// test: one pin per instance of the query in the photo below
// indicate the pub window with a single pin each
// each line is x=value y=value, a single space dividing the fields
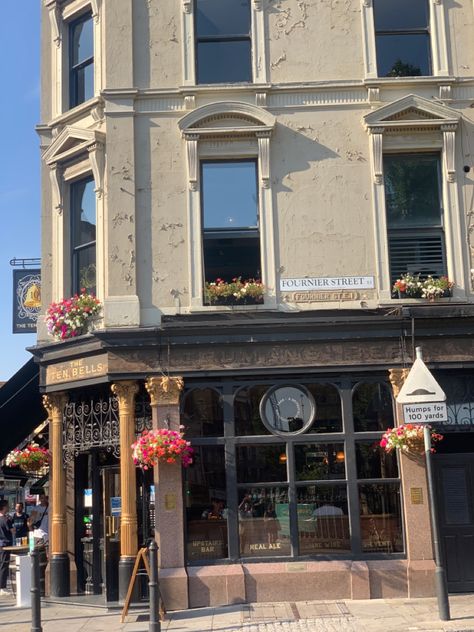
x=231 y=236
x=203 y=413
x=257 y=493
x=402 y=38
x=223 y=41
x=83 y=235
x=372 y=407
x=81 y=60
x=414 y=215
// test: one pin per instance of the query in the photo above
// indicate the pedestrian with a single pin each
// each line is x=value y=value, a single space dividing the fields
x=6 y=539
x=40 y=521
x=20 y=522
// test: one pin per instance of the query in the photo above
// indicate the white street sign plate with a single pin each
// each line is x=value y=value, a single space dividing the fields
x=425 y=413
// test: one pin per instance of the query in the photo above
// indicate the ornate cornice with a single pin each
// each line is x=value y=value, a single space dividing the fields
x=164 y=390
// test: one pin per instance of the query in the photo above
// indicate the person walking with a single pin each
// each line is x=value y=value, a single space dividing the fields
x=6 y=539
x=20 y=522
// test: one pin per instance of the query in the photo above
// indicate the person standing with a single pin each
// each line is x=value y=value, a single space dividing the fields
x=40 y=521
x=6 y=539
x=20 y=521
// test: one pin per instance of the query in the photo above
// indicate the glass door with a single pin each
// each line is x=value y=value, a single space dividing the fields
x=110 y=541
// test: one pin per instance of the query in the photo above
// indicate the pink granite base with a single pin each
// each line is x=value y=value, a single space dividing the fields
x=216 y=585
x=388 y=579
x=421 y=578
x=297 y=581
x=360 y=581
x=174 y=588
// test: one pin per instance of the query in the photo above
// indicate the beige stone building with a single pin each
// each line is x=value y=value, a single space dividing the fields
x=320 y=149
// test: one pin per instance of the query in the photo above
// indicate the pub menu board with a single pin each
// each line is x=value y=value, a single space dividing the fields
x=26 y=300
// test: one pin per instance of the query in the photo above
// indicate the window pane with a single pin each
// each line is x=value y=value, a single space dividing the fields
x=381 y=518
x=229 y=257
x=373 y=462
x=417 y=253
x=323 y=521
x=83 y=84
x=328 y=408
x=206 y=505
x=85 y=270
x=319 y=461
x=402 y=14
x=224 y=62
x=223 y=17
x=287 y=408
x=412 y=190
x=372 y=407
x=404 y=55
x=83 y=212
x=247 y=411
x=261 y=463
x=82 y=41
x=264 y=529
x=229 y=194
x=202 y=413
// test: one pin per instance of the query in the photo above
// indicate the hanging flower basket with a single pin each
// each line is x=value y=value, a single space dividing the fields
x=408 y=438
x=161 y=446
x=30 y=459
x=413 y=286
x=73 y=316
x=236 y=292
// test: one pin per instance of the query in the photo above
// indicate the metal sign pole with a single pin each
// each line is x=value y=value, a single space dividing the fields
x=440 y=573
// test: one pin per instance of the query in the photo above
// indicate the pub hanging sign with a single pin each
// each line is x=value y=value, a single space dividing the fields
x=26 y=300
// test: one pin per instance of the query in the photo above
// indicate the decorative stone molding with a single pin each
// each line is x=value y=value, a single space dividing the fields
x=397 y=378
x=264 y=157
x=188 y=6
x=55 y=19
x=189 y=101
x=164 y=390
x=95 y=5
x=366 y=3
x=449 y=146
x=192 y=153
x=377 y=154
x=261 y=99
x=97 y=160
x=56 y=177
x=258 y=4
x=445 y=93
x=373 y=94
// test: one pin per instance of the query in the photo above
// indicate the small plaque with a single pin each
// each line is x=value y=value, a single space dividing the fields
x=314 y=297
x=416 y=495
x=296 y=567
x=170 y=502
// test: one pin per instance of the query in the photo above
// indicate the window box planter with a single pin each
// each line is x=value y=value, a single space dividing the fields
x=73 y=317
x=236 y=292
x=413 y=286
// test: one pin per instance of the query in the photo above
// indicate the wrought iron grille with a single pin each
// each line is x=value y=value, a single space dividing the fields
x=95 y=424
x=91 y=424
x=460 y=401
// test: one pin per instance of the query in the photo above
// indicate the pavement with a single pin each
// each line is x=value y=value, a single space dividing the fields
x=376 y=615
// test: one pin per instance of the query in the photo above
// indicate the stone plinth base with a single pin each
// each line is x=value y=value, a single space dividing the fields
x=174 y=588
x=216 y=585
x=421 y=578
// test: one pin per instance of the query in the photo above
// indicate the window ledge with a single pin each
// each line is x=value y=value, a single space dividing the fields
x=232 y=308
x=397 y=81
x=423 y=301
x=77 y=112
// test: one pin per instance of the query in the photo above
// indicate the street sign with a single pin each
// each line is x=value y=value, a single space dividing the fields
x=435 y=412
x=420 y=386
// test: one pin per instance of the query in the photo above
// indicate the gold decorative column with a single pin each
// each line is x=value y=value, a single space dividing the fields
x=420 y=563
x=165 y=393
x=59 y=559
x=125 y=392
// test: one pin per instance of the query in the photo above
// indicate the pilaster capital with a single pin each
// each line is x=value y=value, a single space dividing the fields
x=55 y=404
x=125 y=392
x=397 y=377
x=164 y=390
x=188 y=6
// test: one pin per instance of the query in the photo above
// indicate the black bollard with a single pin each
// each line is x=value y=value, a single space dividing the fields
x=155 y=625
x=35 y=593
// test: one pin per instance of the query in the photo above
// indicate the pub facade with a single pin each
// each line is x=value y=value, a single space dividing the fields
x=243 y=209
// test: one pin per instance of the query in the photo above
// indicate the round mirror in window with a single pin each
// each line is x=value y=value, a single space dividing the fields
x=287 y=409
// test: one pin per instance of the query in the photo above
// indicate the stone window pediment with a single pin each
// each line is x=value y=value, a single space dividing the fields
x=411 y=109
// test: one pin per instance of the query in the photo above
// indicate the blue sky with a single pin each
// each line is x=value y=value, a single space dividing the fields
x=20 y=163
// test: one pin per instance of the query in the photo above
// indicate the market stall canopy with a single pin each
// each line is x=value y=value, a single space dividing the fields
x=21 y=407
